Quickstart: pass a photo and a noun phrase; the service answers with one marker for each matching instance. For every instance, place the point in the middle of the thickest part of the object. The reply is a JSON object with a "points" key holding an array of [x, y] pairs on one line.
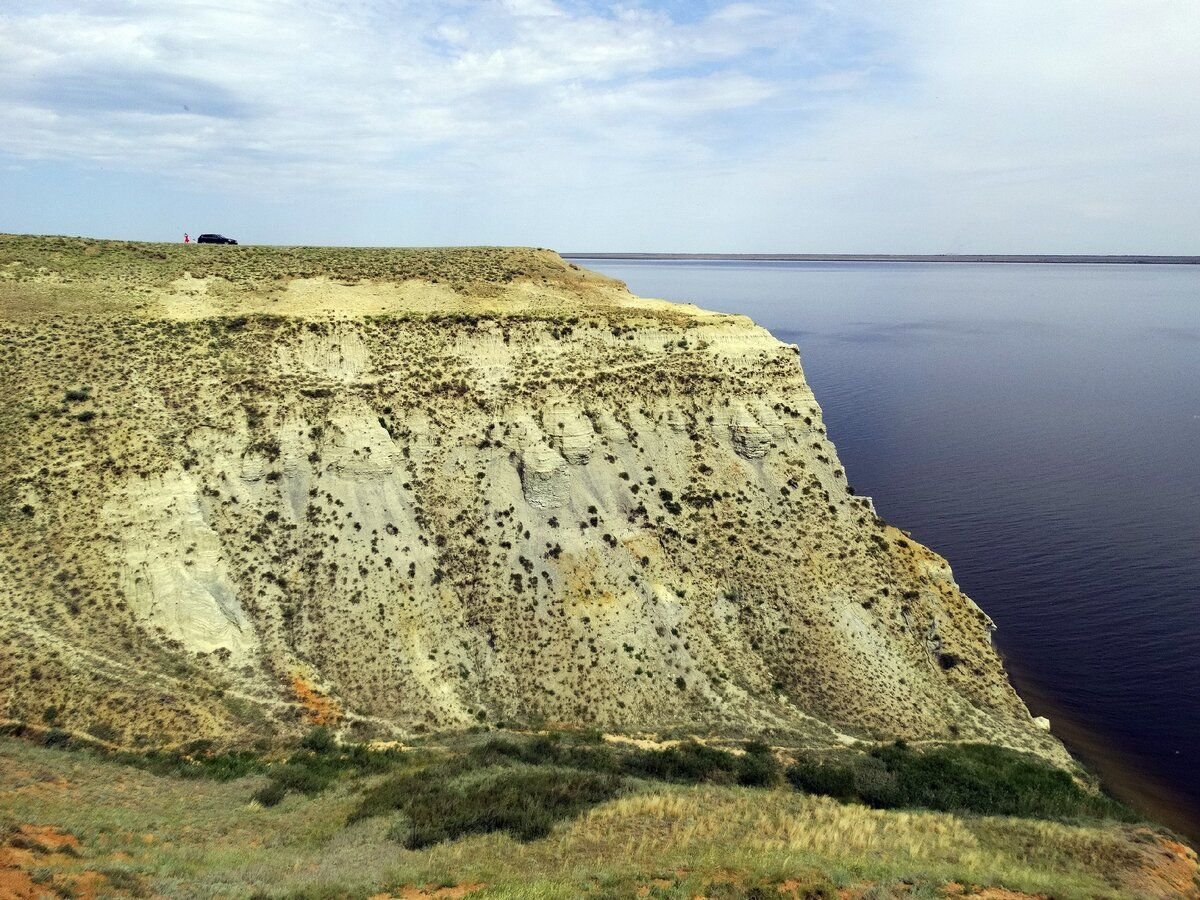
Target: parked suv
{"points": [[214, 239]]}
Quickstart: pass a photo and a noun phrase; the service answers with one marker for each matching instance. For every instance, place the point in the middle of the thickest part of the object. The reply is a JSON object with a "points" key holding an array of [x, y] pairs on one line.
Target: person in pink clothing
{"points": [[186, 239]]}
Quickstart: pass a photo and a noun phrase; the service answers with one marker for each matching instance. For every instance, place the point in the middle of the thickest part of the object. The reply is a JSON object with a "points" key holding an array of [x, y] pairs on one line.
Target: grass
{"points": [[524, 786], [76, 265], [187, 837], [963, 778]]}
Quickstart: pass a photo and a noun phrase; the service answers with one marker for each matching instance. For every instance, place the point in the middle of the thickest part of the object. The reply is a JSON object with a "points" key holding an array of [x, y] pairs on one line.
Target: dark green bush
{"points": [[310, 771], [688, 762], [448, 801], [758, 767], [548, 750], [691, 763], [218, 767], [822, 778], [303, 779], [56, 737], [977, 778], [270, 795], [319, 740]]}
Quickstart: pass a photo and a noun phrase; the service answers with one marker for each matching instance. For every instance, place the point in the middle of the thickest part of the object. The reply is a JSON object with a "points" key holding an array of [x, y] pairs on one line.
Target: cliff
{"points": [[242, 489]]}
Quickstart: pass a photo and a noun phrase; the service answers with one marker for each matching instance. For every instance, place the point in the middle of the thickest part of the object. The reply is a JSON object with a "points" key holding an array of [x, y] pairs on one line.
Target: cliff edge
{"points": [[244, 489]]}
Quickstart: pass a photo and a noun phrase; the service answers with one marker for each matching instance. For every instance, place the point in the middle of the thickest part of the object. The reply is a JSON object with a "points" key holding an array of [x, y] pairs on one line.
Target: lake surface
{"points": [[1039, 426]]}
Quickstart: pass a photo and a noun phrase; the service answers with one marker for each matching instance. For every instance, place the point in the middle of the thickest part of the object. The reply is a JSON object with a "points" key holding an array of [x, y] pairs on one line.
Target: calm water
{"points": [[1038, 425]]}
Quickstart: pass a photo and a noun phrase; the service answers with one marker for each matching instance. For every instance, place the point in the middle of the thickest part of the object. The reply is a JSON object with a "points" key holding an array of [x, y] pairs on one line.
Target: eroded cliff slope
{"points": [[245, 488]]}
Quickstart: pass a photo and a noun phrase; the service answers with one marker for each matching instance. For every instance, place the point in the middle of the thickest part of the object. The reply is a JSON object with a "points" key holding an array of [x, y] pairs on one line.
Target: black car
{"points": [[214, 239]]}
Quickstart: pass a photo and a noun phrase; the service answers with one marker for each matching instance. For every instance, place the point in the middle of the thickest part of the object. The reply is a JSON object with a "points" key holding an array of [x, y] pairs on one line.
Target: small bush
{"points": [[56, 737], [319, 740], [270, 795], [548, 750], [304, 779], [758, 767], [102, 731], [217, 767]]}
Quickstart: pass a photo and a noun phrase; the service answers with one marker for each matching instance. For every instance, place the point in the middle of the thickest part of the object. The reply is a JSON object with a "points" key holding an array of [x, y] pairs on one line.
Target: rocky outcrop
{"points": [[544, 482]]}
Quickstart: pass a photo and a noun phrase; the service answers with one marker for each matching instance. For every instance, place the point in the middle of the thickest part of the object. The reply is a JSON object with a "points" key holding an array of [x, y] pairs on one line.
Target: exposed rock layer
{"points": [[513, 495]]}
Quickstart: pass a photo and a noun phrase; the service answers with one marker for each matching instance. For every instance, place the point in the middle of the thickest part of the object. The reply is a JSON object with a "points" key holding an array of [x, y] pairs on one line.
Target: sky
{"points": [[1005, 126]]}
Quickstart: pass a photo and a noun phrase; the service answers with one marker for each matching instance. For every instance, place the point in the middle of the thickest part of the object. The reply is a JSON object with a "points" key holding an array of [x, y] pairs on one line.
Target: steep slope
{"points": [[244, 488]]}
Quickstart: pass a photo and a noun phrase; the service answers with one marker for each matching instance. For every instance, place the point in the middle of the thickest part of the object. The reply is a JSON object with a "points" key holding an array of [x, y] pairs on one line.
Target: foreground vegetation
{"points": [[565, 816]]}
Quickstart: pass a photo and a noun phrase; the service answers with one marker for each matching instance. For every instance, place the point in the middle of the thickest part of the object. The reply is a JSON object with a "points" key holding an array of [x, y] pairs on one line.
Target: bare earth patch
{"points": [[411, 892], [32, 863]]}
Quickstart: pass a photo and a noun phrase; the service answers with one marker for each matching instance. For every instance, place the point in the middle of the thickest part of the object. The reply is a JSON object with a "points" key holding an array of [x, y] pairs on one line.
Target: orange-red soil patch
{"points": [[412, 892], [35, 850], [1168, 869], [318, 709]]}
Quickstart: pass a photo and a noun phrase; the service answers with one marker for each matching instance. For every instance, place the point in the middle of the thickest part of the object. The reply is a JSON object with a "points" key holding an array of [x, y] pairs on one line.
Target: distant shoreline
{"points": [[1093, 259]]}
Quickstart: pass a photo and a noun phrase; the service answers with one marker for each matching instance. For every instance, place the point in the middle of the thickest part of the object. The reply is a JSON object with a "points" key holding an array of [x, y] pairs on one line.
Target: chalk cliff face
{"points": [[402, 491]]}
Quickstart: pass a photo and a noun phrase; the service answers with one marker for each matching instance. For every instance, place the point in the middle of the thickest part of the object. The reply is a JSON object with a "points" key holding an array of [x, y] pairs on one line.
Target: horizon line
{"points": [[1107, 258]]}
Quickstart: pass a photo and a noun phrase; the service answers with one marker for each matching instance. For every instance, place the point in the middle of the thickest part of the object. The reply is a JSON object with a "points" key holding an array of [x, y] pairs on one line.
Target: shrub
{"points": [[691, 762], [824, 779], [758, 767], [447, 801], [56, 737], [688, 763], [217, 767], [103, 731], [270, 795], [299, 777], [976, 778], [548, 750], [319, 740]]}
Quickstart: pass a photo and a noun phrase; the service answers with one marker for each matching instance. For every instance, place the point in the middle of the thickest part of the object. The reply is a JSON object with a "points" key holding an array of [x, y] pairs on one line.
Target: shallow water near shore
{"points": [[1039, 426]]}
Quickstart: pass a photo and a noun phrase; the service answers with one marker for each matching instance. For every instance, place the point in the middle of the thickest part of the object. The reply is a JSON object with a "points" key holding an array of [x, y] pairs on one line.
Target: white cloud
{"points": [[279, 89], [772, 125]]}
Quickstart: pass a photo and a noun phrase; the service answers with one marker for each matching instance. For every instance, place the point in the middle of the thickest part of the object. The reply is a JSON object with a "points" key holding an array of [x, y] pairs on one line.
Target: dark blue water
{"points": [[1039, 426]]}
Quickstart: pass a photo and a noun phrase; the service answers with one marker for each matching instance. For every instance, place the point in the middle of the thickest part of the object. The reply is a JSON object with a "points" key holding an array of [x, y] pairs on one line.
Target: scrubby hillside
{"points": [[245, 489]]}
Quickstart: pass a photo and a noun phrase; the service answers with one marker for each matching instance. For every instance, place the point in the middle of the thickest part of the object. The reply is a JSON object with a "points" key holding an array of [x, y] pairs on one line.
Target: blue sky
{"points": [[967, 126]]}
